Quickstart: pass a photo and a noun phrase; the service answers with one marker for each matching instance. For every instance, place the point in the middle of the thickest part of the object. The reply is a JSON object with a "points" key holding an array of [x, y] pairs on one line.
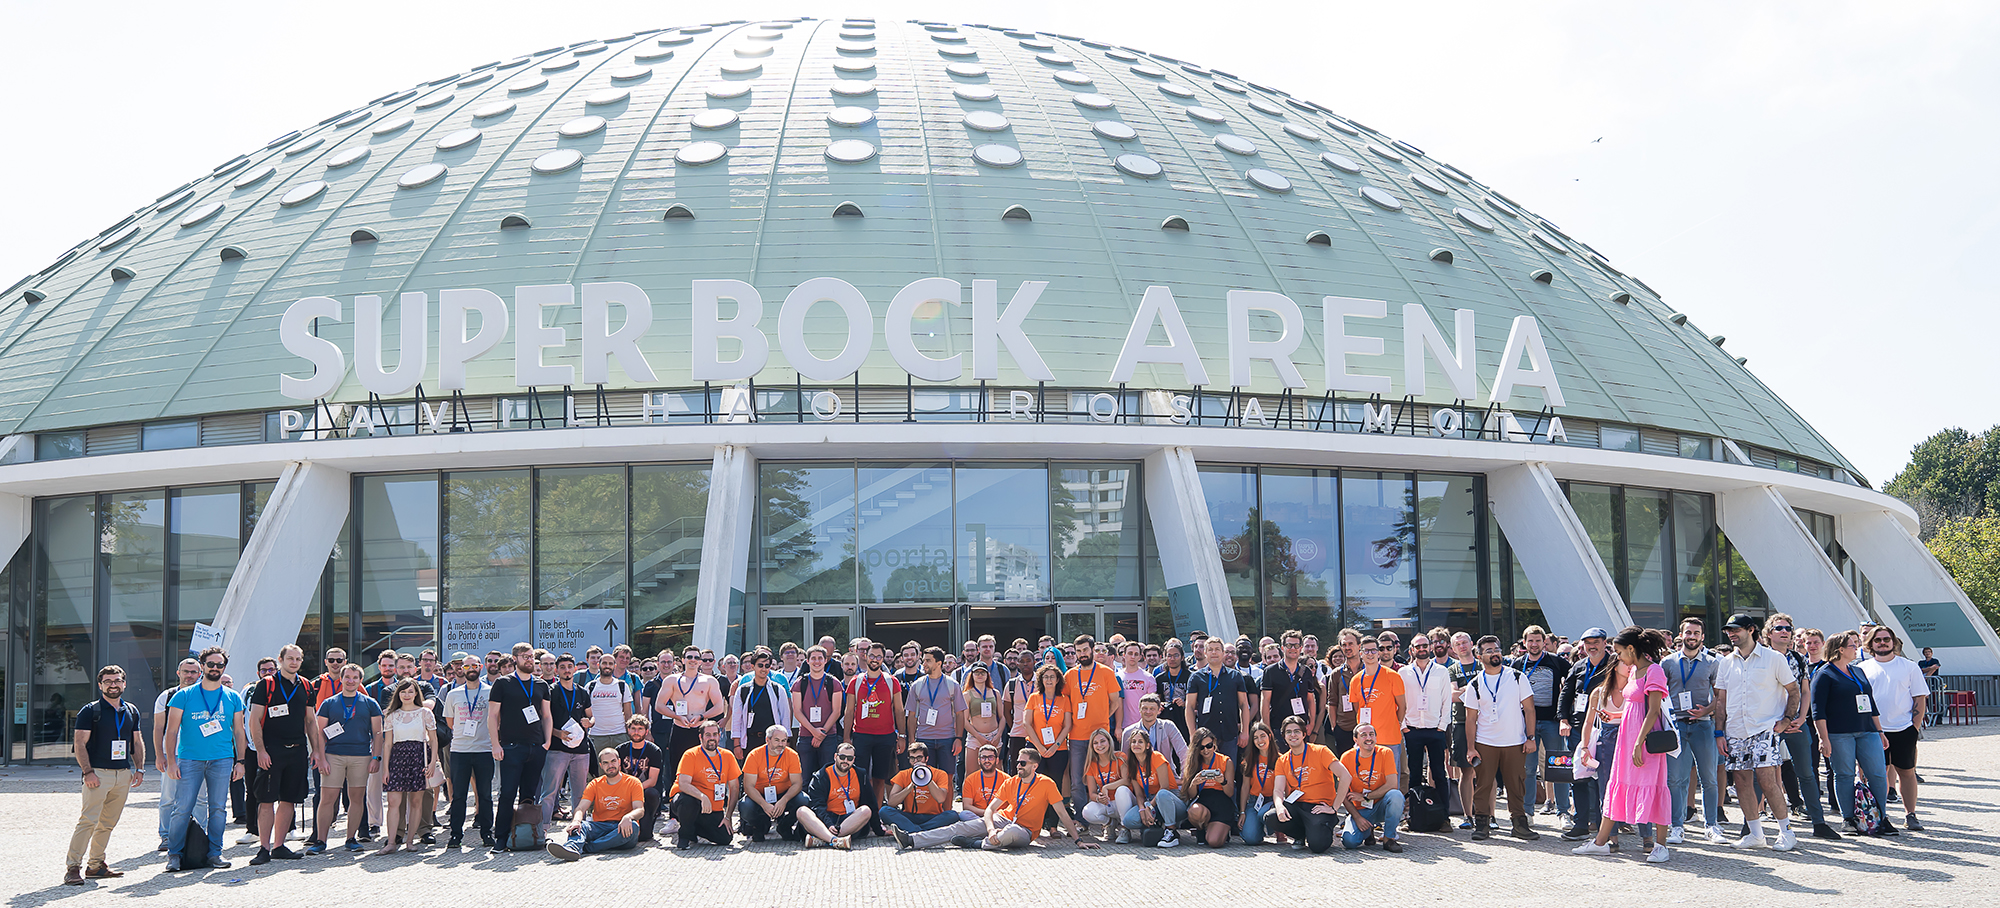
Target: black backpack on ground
{"points": [[1427, 809], [194, 854]]}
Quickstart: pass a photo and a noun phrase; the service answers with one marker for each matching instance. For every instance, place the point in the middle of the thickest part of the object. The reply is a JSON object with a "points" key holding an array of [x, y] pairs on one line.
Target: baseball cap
{"points": [[1745, 621]]}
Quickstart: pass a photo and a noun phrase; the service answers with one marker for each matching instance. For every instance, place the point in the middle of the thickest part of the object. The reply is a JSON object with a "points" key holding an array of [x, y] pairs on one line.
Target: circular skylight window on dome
{"points": [[853, 66], [354, 118], [1093, 101], [1235, 144], [854, 88], [435, 100], [588, 124], [1429, 182], [495, 109], [1150, 72], [849, 151], [967, 70], [1548, 243], [254, 177], [1122, 56], [676, 41], [1268, 180], [1381, 199], [742, 67], [1342, 126], [472, 80], [1302, 134], [1037, 44], [948, 39], [696, 29], [1265, 107], [595, 47], [557, 161], [985, 121], [527, 85], [606, 96], [305, 146], [1384, 152], [392, 126], [1073, 78], [421, 175], [695, 154], [630, 73], [1501, 207], [653, 57], [561, 65], [1138, 165], [756, 51], [1206, 115], [302, 193], [1231, 87], [957, 52], [201, 214], [997, 155], [1177, 90], [857, 36], [1114, 130], [347, 157], [855, 50], [974, 92], [1475, 220], [1455, 174], [851, 116], [718, 118], [119, 237], [724, 91], [1055, 59]]}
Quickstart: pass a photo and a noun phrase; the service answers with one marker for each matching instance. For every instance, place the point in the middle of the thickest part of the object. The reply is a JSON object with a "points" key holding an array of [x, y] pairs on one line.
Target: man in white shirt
{"points": [[1754, 688], [471, 752], [1500, 708], [1427, 723], [1901, 694], [187, 675]]}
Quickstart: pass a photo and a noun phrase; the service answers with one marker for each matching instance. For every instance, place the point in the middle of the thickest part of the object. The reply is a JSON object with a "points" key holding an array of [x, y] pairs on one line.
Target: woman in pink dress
{"points": [[1636, 788]]}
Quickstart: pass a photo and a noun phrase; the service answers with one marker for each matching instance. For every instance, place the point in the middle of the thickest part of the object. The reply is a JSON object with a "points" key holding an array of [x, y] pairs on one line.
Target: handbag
{"points": [[435, 778], [1558, 766], [1663, 740]]}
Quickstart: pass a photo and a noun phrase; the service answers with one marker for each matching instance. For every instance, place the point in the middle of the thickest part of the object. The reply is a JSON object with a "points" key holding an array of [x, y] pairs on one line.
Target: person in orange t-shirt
{"points": [[1205, 786], [1377, 693], [1050, 719], [1014, 819], [772, 781], [707, 785], [834, 811], [1108, 793], [920, 797], [1098, 701], [980, 786], [1308, 786], [615, 801], [1156, 809], [1375, 802]]}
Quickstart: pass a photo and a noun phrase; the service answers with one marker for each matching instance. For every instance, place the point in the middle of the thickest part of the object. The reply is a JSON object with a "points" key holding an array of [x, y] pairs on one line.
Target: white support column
{"points": [[15, 510], [1197, 589], [725, 550], [1574, 587], [1917, 595], [274, 580], [1790, 564]]}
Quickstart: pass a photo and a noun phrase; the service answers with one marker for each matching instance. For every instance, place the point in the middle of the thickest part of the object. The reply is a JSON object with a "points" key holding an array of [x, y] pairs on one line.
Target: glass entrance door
{"points": [[1100, 620], [805, 626], [928, 626], [1004, 622]]}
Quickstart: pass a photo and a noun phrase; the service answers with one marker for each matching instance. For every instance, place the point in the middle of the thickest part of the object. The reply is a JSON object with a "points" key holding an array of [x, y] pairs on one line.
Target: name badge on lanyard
{"points": [[1082, 709], [531, 714], [770, 794], [1684, 699], [1864, 704], [930, 717], [211, 727], [279, 711], [118, 749], [1048, 735], [1367, 716], [813, 715], [1298, 706], [1207, 703], [332, 730]]}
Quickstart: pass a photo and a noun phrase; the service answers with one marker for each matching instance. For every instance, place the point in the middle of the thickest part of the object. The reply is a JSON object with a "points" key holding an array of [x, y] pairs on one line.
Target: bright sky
{"points": [[1814, 180]]}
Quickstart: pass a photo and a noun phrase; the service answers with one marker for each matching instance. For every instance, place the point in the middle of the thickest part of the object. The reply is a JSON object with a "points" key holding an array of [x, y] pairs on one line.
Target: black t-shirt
{"points": [[1218, 690], [564, 705], [1925, 665], [649, 697], [637, 760], [511, 694], [105, 726], [1284, 686], [908, 676], [758, 701], [294, 698]]}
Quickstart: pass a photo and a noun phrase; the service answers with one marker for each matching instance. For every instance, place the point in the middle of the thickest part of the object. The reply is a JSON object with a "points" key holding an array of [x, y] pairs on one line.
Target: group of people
{"points": [[1159, 745]]}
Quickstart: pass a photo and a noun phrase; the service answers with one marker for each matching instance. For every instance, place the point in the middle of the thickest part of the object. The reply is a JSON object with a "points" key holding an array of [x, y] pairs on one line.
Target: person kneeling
{"points": [[615, 801], [833, 811], [707, 785], [1308, 787], [1375, 802]]}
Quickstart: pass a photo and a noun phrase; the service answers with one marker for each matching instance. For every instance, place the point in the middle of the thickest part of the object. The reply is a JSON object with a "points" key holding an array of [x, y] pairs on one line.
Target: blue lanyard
{"points": [[750, 700], [1495, 686], [1589, 675], [569, 698], [715, 772], [1855, 677], [1424, 681], [1687, 669], [278, 684], [985, 790], [1146, 777], [1535, 665], [471, 701], [212, 710], [1048, 708], [816, 687], [1263, 776], [347, 711], [1373, 755], [1083, 687], [930, 692], [528, 691], [690, 686], [1022, 788], [118, 720], [1368, 686]]}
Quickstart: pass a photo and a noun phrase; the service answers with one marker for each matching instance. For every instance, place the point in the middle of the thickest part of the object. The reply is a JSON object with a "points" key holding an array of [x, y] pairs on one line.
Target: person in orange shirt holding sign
{"points": [[1098, 702], [707, 785], [833, 811], [1377, 693], [1308, 787], [1376, 800], [920, 797], [771, 791], [615, 802], [1205, 786]]}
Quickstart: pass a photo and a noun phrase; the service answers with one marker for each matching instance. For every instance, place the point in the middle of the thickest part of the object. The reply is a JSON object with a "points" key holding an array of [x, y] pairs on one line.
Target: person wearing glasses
{"points": [[471, 752], [206, 736], [1796, 730], [833, 811], [920, 797], [111, 750], [1307, 788], [1206, 781], [1850, 727], [1012, 819], [327, 685], [707, 780]]}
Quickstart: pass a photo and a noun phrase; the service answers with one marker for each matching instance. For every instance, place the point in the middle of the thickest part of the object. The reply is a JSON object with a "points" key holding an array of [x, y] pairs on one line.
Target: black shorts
{"points": [[1902, 747], [831, 819], [1221, 807], [876, 754], [286, 779]]}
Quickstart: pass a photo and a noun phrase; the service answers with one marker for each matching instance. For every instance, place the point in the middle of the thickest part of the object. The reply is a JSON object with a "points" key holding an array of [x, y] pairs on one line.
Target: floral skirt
{"points": [[406, 767]]}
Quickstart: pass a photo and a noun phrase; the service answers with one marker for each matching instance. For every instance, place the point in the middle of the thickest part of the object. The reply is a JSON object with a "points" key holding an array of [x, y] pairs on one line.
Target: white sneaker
{"points": [[1754, 840], [1124, 836], [1715, 837], [1169, 840], [1591, 848], [1658, 855], [1786, 840], [1676, 836], [248, 838]]}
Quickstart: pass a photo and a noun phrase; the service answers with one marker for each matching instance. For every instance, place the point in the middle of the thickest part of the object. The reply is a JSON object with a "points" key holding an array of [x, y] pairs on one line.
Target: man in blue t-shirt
{"points": [[205, 735], [349, 724]]}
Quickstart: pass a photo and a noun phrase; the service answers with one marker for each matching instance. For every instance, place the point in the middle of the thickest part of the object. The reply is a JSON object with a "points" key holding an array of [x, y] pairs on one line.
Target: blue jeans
{"points": [[200, 777], [598, 836], [1167, 808], [1385, 815], [919, 822], [1866, 748], [1548, 737], [1255, 820], [812, 758], [941, 755], [1697, 758], [1800, 744]]}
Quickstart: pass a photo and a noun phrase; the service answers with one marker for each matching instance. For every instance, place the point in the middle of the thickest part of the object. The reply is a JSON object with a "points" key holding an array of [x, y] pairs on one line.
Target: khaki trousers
{"points": [[1506, 765], [101, 808]]}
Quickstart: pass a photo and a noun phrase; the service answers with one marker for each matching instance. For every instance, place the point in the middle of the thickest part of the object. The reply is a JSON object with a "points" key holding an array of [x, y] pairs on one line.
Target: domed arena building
{"points": [[759, 332]]}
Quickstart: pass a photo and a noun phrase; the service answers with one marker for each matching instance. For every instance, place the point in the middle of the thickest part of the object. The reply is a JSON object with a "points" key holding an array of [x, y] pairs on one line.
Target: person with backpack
{"points": [[111, 750], [1426, 727], [279, 704], [611, 703], [1500, 707], [517, 722], [1849, 722]]}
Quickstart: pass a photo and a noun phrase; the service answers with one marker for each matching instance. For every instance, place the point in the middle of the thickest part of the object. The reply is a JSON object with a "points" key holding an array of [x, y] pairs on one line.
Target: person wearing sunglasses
{"points": [[1849, 724], [834, 811], [206, 736], [1013, 818], [1206, 782], [1795, 730]]}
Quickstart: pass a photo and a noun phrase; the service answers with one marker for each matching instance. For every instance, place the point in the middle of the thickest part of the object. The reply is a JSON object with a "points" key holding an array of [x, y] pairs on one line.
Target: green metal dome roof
{"points": [[723, 151]]}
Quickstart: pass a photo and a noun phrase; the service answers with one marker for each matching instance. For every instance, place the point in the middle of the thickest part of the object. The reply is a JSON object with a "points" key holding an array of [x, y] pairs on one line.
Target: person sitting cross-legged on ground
{"points": [[833, 811], [1375, 802], [1013, 818], [920, 797], [615, 801]]}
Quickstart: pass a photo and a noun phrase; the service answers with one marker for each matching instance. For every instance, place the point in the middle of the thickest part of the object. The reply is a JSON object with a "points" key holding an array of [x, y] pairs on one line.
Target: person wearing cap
{"points": [[1754, 689], [1586, 795]]}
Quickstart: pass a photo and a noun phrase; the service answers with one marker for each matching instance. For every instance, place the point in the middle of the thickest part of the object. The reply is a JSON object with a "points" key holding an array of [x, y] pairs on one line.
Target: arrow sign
{"points": [[611, 624]]}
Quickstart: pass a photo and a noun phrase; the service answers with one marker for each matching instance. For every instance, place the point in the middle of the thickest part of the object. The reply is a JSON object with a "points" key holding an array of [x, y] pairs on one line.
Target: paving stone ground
{"points": [[1955, 862]]}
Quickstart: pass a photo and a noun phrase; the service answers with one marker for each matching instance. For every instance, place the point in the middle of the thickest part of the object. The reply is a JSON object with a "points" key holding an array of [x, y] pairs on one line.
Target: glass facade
{"points": [[1661, 548]]}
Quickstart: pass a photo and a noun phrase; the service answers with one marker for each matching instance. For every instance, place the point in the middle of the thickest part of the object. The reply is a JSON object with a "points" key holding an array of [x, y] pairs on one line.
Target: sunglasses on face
{"points": [[1021, 765], [1782, 628], [1207, 747], [215, 665], [843, 759], [336, 661]]}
